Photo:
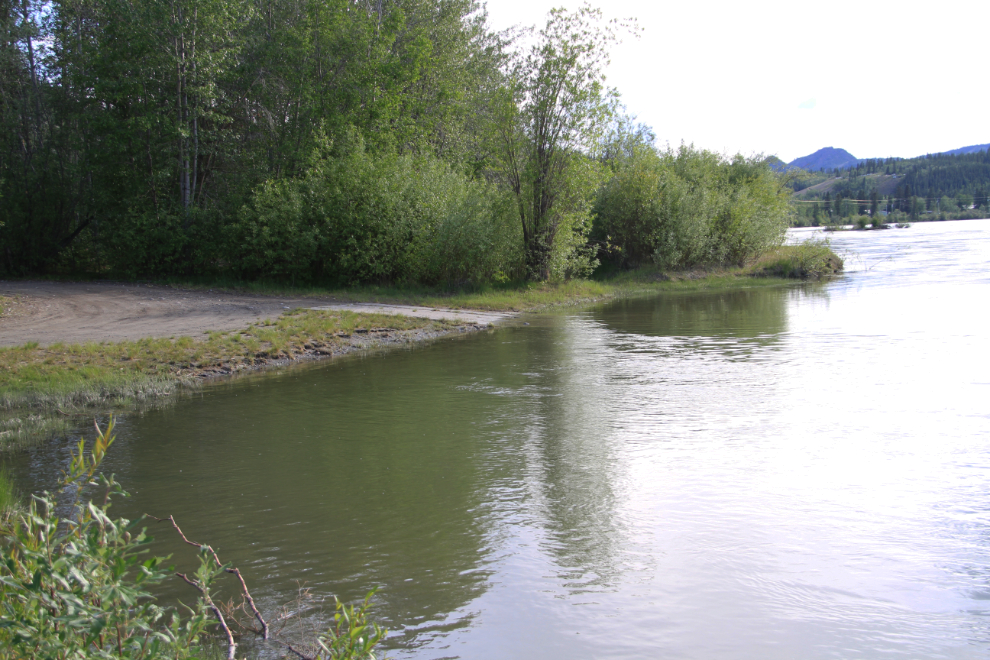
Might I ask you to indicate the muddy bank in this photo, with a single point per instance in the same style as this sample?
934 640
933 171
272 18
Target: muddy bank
81 312
342 344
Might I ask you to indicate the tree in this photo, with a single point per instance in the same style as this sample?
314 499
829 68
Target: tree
551 117
916 206
132 133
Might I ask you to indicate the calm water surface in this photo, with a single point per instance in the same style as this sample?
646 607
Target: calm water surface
793 472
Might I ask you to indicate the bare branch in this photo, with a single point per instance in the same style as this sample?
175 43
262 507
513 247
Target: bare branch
300 654
231 570
231 644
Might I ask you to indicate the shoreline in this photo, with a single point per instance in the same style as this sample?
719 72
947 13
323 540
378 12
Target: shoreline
49 313
43 386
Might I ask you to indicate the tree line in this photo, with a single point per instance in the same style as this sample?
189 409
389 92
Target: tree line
345 141
943 186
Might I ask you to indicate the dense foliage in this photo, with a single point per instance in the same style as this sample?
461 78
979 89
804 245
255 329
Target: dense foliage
556 107
688 208
134 132
355 217
339 142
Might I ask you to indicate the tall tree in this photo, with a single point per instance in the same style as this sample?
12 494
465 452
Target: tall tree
551 119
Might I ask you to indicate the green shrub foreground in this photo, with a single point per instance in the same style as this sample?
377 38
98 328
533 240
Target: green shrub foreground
80 586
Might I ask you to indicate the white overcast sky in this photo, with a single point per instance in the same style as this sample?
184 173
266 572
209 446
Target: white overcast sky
877 78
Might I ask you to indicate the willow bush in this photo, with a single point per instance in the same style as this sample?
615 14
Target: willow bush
387 218
689 208
77 583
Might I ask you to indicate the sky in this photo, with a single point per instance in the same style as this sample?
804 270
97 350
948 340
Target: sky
876 78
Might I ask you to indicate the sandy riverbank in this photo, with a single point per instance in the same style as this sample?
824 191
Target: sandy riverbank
80 312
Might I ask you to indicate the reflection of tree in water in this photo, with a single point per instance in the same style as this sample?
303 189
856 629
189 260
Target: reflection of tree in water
745 313
620 372
737 323
571 466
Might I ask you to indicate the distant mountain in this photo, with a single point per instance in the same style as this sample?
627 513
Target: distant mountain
831 158
827 158
976 148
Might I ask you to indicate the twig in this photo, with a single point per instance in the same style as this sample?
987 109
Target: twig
231 570
231 644
302 655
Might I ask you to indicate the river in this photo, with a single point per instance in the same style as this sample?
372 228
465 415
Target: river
787 472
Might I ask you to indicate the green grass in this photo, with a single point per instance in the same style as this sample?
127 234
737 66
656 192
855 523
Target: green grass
21 429
10 504
68 376
513 296
526 296
43 388
813 259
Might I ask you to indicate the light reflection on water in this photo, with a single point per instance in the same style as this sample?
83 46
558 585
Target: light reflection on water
787 472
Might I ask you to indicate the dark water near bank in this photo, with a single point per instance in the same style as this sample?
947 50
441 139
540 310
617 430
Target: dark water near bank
793 472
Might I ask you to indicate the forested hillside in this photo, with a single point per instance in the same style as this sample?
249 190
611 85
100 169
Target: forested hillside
344 141
938 185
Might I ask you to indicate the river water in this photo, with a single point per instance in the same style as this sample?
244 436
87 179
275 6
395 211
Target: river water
788 472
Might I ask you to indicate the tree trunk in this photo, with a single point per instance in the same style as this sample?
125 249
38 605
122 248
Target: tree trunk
538 253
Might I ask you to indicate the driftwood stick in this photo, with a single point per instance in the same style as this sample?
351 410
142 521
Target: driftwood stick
231 644
231 570
300 654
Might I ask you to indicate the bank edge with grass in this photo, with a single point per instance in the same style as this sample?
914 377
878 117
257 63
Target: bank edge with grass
44 389
609 283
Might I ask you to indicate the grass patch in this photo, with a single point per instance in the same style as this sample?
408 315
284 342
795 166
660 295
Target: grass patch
10 504
813 259
84 374
59 377
531 296
18 431
504 297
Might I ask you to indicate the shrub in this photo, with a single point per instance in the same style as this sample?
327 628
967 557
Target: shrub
812 259
9 504
356 217
79 586
691 208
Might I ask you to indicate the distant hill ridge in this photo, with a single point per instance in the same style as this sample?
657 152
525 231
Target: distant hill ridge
976 148
827 158
832 158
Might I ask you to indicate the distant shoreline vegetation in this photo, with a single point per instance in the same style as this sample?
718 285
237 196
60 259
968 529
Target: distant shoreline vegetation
928 188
